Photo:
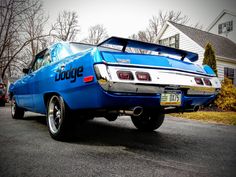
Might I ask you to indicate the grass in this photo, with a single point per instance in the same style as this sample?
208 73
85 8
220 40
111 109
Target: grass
227 118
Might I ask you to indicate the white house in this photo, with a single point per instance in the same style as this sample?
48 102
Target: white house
195 40
224 25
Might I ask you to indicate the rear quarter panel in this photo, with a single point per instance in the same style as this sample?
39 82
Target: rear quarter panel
58 78
46 80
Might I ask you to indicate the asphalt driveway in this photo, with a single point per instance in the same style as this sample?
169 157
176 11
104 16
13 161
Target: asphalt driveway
179 148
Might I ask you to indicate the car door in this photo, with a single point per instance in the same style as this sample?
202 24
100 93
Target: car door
40 81
25 98
29 82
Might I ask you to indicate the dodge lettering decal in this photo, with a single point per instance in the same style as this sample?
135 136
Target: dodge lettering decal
72 74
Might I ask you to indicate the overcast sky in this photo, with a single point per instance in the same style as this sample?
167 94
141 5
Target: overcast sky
125 17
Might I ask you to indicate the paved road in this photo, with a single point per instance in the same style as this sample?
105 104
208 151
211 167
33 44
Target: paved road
179 148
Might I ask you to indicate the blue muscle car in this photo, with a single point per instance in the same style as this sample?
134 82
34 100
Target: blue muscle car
81 81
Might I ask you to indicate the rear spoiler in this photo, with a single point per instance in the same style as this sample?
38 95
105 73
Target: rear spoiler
149 46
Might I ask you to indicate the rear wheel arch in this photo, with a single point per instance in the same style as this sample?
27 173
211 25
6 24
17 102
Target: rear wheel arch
47 97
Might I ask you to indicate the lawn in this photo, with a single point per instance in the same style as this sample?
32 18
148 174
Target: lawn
228 118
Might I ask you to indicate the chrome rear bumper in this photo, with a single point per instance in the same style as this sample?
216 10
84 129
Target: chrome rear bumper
160 82
154 89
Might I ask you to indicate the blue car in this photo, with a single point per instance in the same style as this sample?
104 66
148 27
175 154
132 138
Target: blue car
119 76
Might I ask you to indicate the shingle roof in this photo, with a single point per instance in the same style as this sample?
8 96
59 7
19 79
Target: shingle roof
222 46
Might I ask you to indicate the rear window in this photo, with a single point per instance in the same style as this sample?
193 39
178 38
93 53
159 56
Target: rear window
64 50
78 47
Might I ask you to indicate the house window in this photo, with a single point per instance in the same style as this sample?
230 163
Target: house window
172 41
225 27
229 73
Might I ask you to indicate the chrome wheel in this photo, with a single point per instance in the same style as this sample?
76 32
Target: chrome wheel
58 118
54 115
13 107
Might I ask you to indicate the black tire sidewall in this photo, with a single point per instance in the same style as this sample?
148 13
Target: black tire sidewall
19 112
154 123
2 103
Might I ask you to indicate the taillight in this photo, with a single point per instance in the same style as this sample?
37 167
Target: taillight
143 76
198 80
125 75
207 81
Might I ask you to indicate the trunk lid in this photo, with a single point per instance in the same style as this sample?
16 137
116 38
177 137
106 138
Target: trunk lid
150 61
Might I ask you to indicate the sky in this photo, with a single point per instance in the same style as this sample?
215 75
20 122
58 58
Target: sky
125 17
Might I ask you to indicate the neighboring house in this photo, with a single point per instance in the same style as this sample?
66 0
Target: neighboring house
224 25
195 40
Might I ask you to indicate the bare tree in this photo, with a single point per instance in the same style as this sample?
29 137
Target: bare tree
13 14
97 33
173 16
66 26
197 26
10 15
157 22
145 36
32 27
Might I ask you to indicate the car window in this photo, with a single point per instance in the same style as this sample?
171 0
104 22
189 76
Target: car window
41 61
37 64
46 59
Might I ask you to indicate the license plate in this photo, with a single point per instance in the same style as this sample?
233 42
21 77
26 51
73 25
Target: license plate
171 99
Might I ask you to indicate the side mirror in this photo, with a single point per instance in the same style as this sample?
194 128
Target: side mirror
26 70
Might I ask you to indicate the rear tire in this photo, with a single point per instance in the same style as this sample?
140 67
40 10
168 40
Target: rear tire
111 117
2 103
57 118
16 112
146 122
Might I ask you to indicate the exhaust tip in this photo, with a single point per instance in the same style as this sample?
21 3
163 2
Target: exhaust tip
137 111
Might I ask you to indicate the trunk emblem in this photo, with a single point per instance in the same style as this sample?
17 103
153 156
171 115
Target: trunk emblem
125 61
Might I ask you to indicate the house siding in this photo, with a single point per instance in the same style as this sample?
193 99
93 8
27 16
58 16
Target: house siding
185 43
225 18
220 68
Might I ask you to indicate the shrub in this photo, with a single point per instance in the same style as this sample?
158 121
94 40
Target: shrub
210 57
226 99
